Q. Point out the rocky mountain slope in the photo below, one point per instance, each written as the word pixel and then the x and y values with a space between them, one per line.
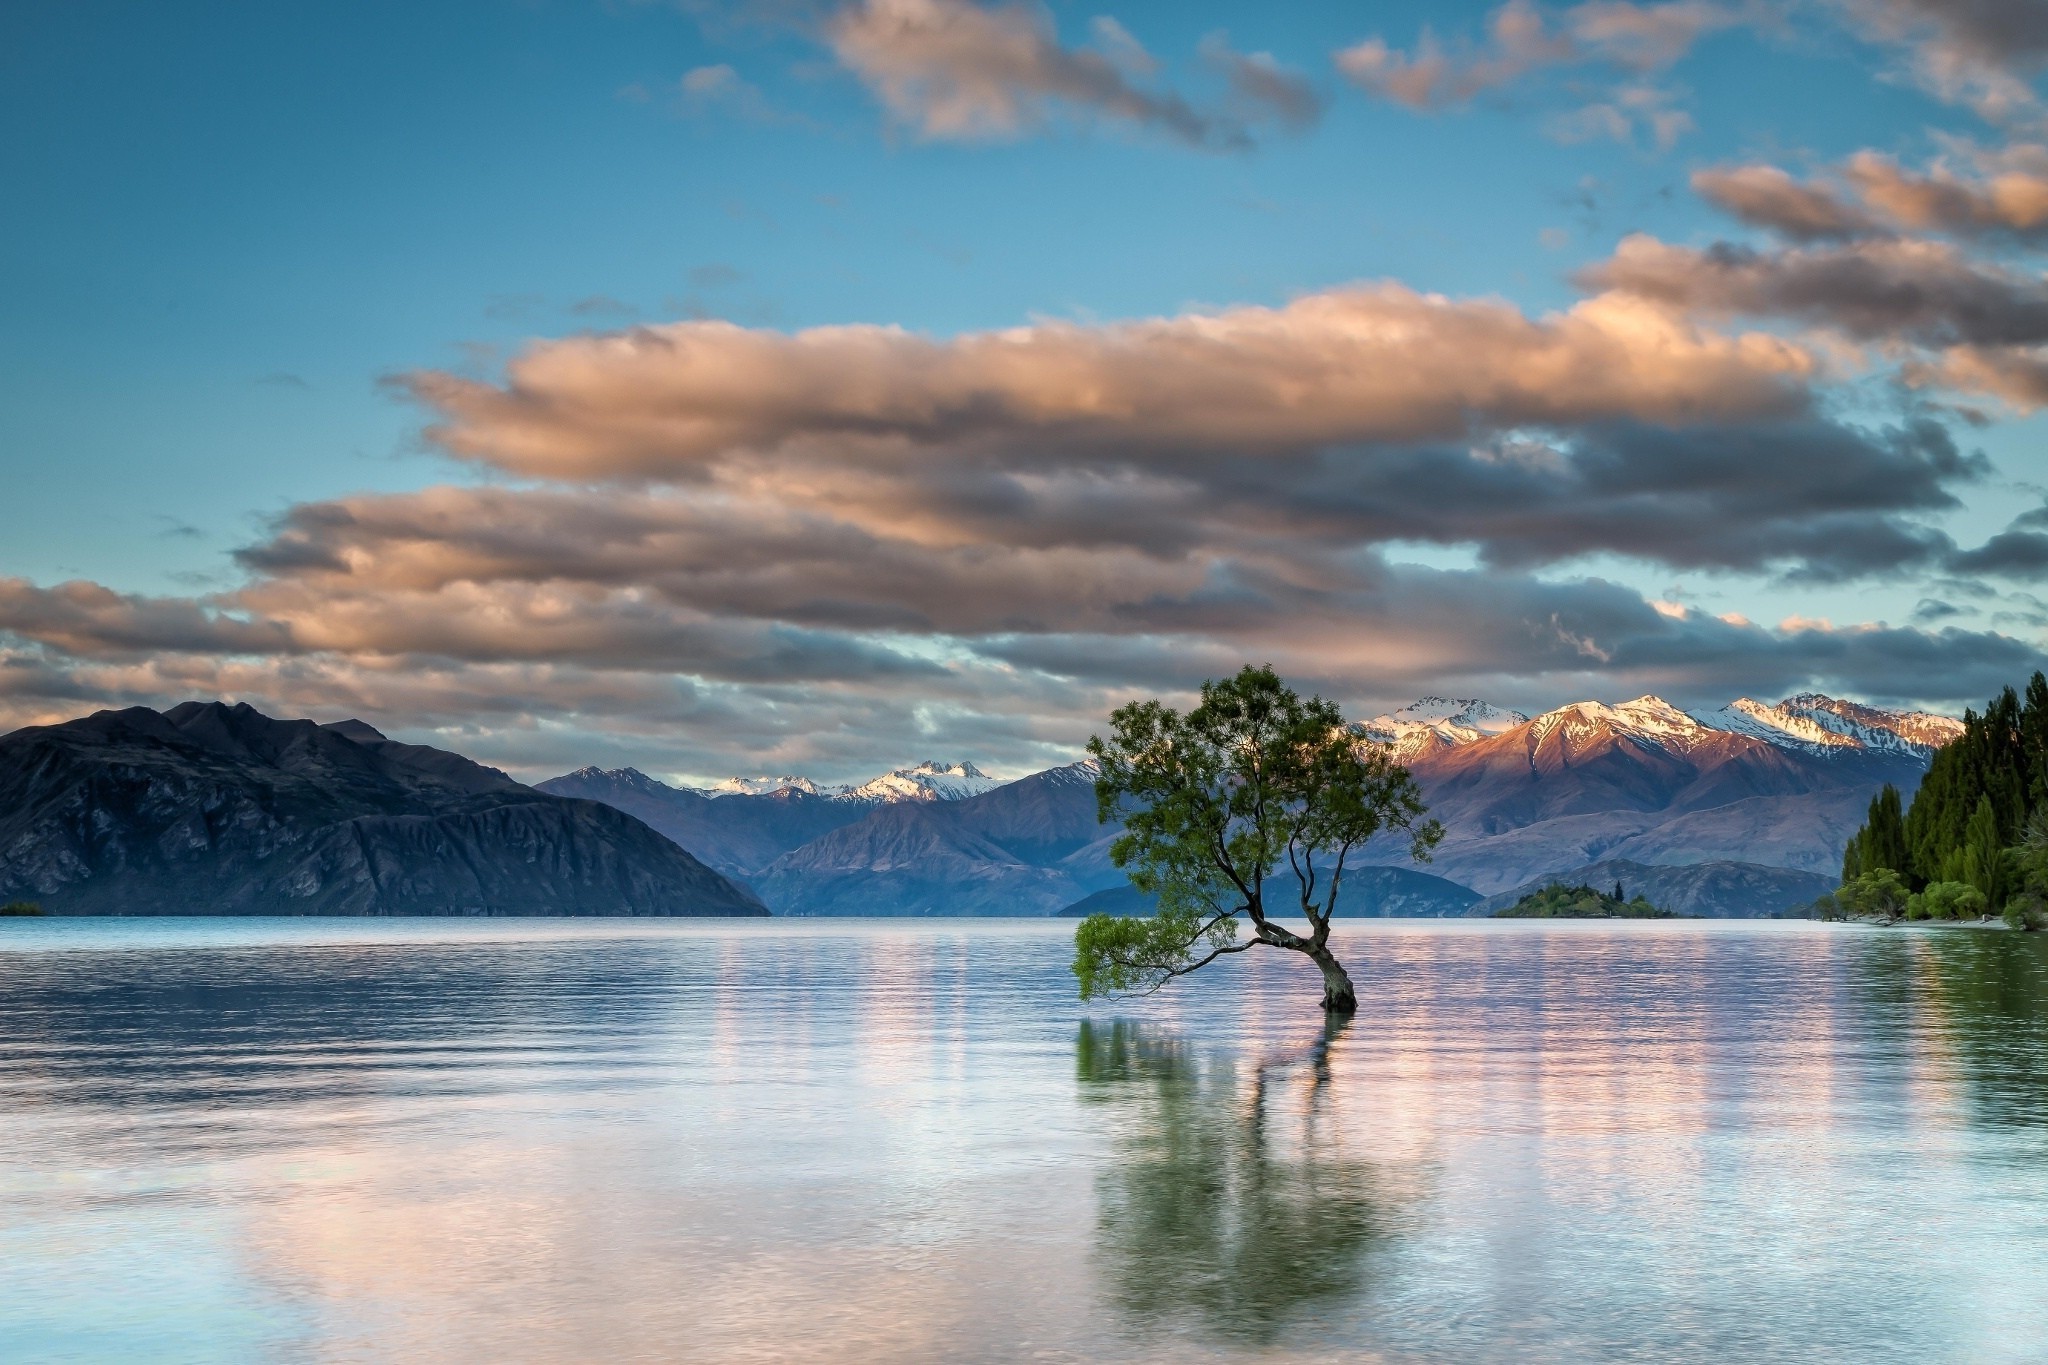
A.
pixel 1440 723
pixel 215 809
pixel 1647 782
pixel 739 835
pixel 1774 787
pixel 1020 849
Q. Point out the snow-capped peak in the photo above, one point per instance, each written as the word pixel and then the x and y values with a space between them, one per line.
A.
pixel 765 786
pixel 1072 774
pixel 1824 724
pixel 1648 718
pixel 928 781
pixel 1441 722
pixel 1778 725
pixel 1461 713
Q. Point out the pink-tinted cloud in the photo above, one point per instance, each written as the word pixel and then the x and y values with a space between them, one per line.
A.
pixel 1889 291
pixel 1973 193
pixel 1769 197
pixel 1523 39
pixel 715 403
pixel 954 70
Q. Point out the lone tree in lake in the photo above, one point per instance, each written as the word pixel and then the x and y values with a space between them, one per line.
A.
pixel 1255 791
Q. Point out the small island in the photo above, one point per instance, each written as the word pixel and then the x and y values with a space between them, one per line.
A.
pixel 1558 901
pixel 13 908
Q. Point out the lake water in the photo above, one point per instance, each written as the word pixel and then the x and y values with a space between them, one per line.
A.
pixel 556 1140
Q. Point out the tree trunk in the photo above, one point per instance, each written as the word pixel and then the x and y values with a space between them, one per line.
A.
pixel 1338 997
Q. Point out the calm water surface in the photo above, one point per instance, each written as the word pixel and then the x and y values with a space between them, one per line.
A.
pixel 337 1140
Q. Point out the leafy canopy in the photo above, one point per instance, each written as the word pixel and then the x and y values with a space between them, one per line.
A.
pixel 1558 901
pixel 1254 789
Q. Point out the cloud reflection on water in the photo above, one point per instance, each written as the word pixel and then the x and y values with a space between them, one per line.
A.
pixel 869 1143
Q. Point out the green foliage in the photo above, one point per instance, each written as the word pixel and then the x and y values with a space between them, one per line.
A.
pixel 20 908
pixel 1882 840
pixel 2000 759
pixel 2026 912
pixel 2027 908
pixel 1124 955
pixel 1984 861
pixel 1980 795
pixel 1558 901
pixel 1215 804
pixel 1948 900
pixel 1882 894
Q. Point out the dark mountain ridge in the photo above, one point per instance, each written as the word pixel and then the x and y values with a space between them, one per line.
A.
pixel 1004 852
pixel 214 809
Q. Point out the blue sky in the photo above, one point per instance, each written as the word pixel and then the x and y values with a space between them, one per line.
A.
pixel 232 229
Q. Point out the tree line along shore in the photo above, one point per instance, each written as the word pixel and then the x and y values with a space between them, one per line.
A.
pixel 1973 843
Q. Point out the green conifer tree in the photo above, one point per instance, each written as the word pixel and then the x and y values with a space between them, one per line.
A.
pixel 1984 859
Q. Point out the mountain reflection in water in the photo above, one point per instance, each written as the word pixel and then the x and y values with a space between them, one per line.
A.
pixel 1228 1200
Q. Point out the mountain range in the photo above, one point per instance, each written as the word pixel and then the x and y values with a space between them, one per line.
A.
pixel 215 809
pixel 1744 809
pixel 930 780
pixel 210 808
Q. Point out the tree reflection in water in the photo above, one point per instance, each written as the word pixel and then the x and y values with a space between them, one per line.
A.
pixel 1991 989
pixel 1228 1206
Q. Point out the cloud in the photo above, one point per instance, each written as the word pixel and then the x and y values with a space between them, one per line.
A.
pixel 601 306
pixel 1523 39
pixel 1518 41
pixel 718 404
pixel 706 624
pixel 719 88
pixel 88 619
pixel 709 547
pixel 1618 118
pixel 1920 292
pixel 2020 551
pixel 1982 53
pixel 1262 87
pixel 1934 609
pixel 1949 320
pixel 1972 194
pixel 952 70
pixel 2005 193
pixel 2010 554
pixel 1768 197
pixel 527 569
pixel 1017 699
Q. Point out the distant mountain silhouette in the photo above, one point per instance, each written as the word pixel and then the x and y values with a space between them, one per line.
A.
pixel 739 835
pixel 1010 851
pixel 1760 798
pixel 214 809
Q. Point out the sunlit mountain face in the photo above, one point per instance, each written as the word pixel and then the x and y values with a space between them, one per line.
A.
pixel 1738 810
